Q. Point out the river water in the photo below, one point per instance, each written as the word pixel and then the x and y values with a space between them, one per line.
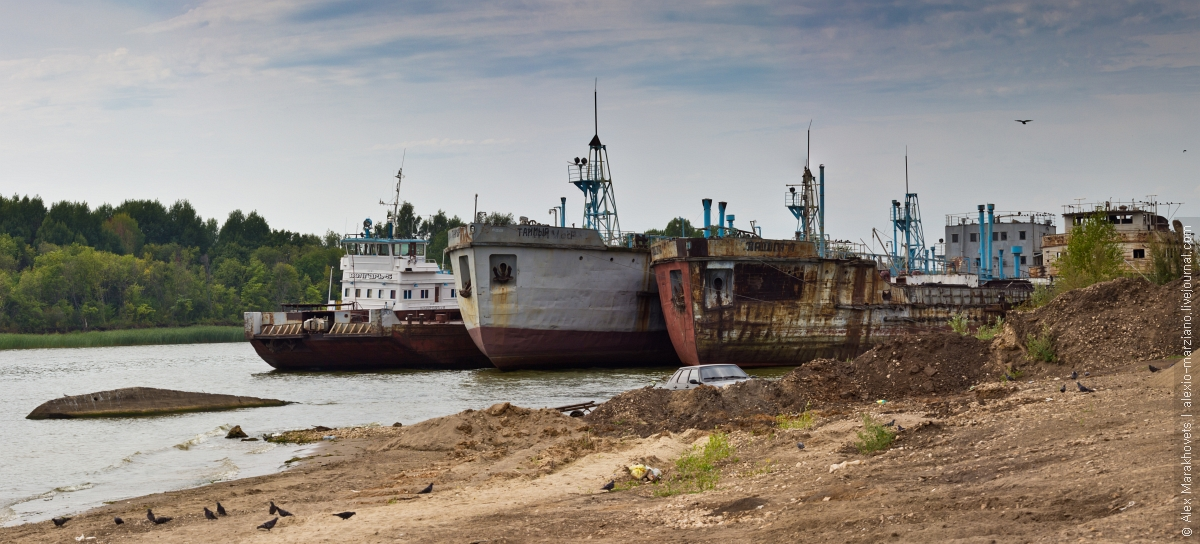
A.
pixel 58 467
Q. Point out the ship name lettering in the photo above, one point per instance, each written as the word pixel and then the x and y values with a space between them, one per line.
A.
pixel 545 232
pixel 370 276
pixel 767 246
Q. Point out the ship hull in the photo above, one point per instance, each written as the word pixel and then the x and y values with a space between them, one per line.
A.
pixel 357 340
pixel 759 303
pixel 552 298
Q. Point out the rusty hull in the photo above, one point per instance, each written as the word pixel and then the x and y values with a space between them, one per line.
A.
pixel 413 340
pixel 757 302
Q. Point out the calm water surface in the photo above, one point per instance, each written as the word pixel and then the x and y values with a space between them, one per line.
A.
pixel 55 467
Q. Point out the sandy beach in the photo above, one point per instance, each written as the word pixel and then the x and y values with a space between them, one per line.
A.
pixel 1027 464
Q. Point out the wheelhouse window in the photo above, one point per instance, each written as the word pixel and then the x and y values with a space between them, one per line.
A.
pixel 424 293
pixel 408 294
pixel 347 295
pixel 452 293
pixel 351 249
pixel 357 293
pixel 393 294
pixel 420 249
pixel 368 293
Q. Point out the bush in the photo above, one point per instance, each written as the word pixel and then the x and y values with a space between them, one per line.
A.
pixel 801 421
pixel 697 470
pixel 874 436
pixel 1093 254
pixel 1040 347
pixel 958 323
pixel 988 332
pixel 1042 295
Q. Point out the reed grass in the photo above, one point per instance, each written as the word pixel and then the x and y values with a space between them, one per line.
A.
pixel 207 334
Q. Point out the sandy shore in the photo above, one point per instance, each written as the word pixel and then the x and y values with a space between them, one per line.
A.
pixel 1017 463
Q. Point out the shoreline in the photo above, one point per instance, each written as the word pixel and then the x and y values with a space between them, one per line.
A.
pixel 195 334
pixel 1001 462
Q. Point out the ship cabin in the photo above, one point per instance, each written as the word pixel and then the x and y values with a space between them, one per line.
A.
pixel 393 274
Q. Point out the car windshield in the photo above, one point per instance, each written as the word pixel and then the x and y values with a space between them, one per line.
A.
pixel 722 372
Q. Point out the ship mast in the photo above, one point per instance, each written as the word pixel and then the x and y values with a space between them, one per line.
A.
pixel 394 215
pixel 594 177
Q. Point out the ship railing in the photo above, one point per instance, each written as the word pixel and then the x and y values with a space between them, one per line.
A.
pixel 592 171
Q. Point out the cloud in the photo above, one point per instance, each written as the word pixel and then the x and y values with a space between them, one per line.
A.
pixel 441 142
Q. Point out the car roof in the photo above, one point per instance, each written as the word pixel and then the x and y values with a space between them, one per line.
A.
pixel 706 366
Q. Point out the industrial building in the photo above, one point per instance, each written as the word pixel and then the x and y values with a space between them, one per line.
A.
pixel 1137 223
pixel 1016 242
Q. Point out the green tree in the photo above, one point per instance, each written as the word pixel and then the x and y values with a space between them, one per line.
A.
pixel 674 228
pixel 1093 254
pixel 125 229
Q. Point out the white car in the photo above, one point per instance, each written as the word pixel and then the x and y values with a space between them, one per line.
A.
pixel 691 377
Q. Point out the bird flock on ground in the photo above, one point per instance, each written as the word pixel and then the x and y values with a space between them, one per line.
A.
pixel 274 510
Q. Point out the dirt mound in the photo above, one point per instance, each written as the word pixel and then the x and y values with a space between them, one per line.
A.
pixel 647 411
pixel 500 426
pixel 1108 324
pixel 926 365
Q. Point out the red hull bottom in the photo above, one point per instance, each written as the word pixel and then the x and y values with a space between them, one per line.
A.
pixel 520 349
pixel 423 346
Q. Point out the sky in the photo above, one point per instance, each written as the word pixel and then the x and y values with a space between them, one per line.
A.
pixel 305 110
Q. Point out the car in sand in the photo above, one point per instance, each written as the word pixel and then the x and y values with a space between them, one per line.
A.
pixel 691 377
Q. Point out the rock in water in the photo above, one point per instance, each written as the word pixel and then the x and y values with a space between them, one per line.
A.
pixel 143 401
pixel 236 432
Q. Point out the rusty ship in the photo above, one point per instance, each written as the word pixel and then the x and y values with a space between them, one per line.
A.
pixel 552 296
pixel 398 310
pixel 732 297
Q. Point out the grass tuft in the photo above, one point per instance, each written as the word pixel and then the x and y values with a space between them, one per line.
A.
pixel 698 471
pixel 125 337
pixel 1040 347
pixel 988 332
pixel 958 323
pixel 801 421
pixel 874 436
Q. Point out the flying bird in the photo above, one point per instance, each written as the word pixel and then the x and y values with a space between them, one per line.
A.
pixel 1023 121
pixel 428 489
pixel 208 514
pixel 221 509
pixel 1154 368
pixel 118 521
pixel 268 525
pixel 60 521
pixel 1084 388
pixel 609 486
pixel 344 515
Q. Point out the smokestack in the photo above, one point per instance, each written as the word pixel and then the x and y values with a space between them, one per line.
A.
pixel 707 217
pixel 721 224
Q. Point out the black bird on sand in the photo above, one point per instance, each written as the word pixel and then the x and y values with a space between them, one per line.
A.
pixel 273 509
pixel 268 525
pixel 899 428
pixel 118 521
pixel 158 520
pixel 890 423
pixel 428 489
pixel 208 514
pixel 1154 368
pixel 1074 375
pixel 1023 121
pixel 1084 388
pixel 221 509
pixel 60 521
pixel 799 445
pixel 282 513
pixel 609 486
pixel 345 515
pixel 1063 389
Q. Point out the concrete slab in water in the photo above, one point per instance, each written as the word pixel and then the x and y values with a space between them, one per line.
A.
pixel 143 401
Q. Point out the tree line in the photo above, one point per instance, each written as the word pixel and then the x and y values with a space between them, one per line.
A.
pixel 142 264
